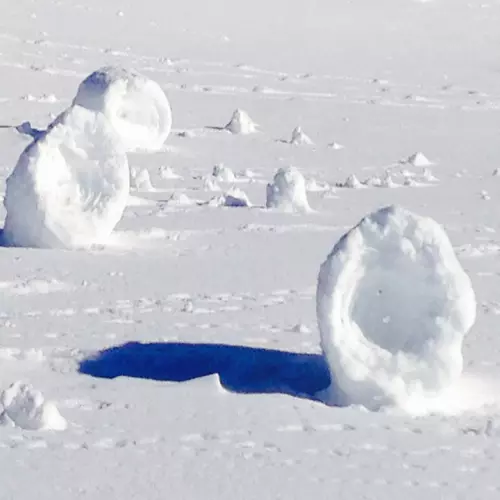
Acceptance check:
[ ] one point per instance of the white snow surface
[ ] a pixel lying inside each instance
(288, 191)
(393, 307)
(136, 106)
(184, 352)
(69, 187)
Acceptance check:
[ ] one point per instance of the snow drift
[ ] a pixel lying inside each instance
(288, 191)
(136, 106)
(393, 306)
(70, 186)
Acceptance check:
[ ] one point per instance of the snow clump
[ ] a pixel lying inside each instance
(70, 186)
(300, 138)
(241, 123)
(136, 106)
(222, 173)
(233, 198)
(140, 180)
(418, 160)
(393, 306)
(288, 191)
(26, 408)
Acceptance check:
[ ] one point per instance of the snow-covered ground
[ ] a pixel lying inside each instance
(182, 357)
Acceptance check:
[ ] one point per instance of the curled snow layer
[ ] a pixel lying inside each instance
(26, 407)
(135, 106)
(288, 191)
(393, 306)
(70, 186)
(241, 123)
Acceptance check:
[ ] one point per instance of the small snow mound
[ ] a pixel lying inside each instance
(352, 182)
(223, 174)
(300, 138)
(140, 180)
(26, 408)
(428, 176)
(410, 182)
(496, 172)
(388, 182)
(288, 191)
(233, 198)
(179, 199)
(211, 185)
(335, 145)
(301, 328)
(168, 173)
(70, 186)
(135, 106)
(313, 186)
(393, 306)
(241, 123)
(418, 160)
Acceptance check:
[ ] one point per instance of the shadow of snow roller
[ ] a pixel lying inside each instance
(393, 306)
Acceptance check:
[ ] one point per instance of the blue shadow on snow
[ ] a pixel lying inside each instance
(241, 369)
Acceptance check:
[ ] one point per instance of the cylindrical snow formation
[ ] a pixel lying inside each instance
(288, 191)
(134, 105)
(70, 186)
(393, 306)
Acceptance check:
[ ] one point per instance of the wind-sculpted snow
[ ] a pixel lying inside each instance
(70, 186)
(393, 305)
(136, 106)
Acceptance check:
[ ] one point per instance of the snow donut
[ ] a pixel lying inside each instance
(393, 306)
(135, 106)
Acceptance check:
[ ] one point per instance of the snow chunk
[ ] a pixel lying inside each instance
(241, 123)
(180, 200)
(223, 173)
(140, 180)
(393, 306)
(352, 182)
(168, 173)
(335, 145)
(26, 407)
(233, 198)
(135, 106)
(300, 138)
(210, 185)
(288, 191)
(428, 176)
(418, 160)
(70, 186)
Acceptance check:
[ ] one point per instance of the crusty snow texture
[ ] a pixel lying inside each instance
(288, 191)
(135, 106)
(393, 306)
(26, 408)
(70, 186)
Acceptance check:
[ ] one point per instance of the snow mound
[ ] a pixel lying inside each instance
(210, 184)
(26, 407)
(179, 200)
(241, 123)
(70, 186)
(222, 173)
(140, 180)
(352, 182)
(313, 186)
(288, 191)
(135, 106)
(335, 145)
(300, 138)
(233, 198)
(418, 160)
(393, 306)
(168, 173)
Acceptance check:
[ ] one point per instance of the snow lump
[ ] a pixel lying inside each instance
(69, 187)
(393, 307)
(288, 191)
